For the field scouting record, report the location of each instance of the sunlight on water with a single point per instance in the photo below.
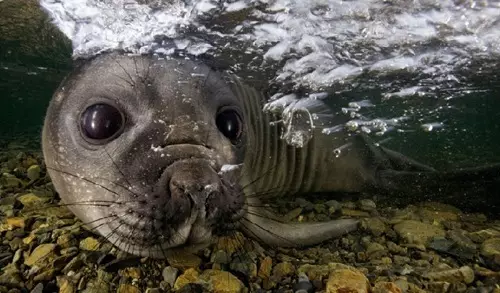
(411, 49)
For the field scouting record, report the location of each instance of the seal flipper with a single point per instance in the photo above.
(268, 229)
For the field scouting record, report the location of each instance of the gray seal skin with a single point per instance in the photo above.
(138, 147)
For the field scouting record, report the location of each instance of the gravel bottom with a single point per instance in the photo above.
(430, 247)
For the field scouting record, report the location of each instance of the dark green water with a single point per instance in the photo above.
(470, 136)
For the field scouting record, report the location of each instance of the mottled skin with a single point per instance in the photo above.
(158, 185)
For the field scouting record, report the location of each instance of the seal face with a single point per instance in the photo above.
(135, 147)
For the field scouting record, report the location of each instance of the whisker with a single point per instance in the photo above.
(95, 183)
(119, 170)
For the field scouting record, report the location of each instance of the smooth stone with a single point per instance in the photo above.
(37, 289)
(491, 249)
(283, 269)
(65, 285)
(183, 260)
(265, 268)
(375, 225)
(170, 275)
(189, 276)
(346, 280)
(464, 274)
(222, 282)
(41, 254)
(90, 244)
(416, 232)
(367, 205)
(127, 288)
(33, 172)
(292, 214)
(386, 287)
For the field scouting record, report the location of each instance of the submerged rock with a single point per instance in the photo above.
(417, 232)
(346, 280)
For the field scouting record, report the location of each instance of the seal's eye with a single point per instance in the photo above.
(229, 123)
(101, 122)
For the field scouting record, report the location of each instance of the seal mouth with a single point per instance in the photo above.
(189, 202)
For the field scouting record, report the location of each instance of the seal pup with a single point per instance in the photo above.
(155, 153)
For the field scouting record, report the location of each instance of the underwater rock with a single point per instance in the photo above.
(222, 282)
(265, 268)
(292, 214)
(375, 225)
(33, 172)
(169, 275)
(491, 249)
(127, 288)
(189, 276)
(65, 285)
(346, 280)
(282, 270)
(41, 255)
(182, 259)
(90, 244)
(367, 205)
(386, 287)
(464, 274)
(417, 232)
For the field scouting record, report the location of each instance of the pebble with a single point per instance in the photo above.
(346, 280)
(283, 269)
(482, 235)
(220, 257)
(367, 205)
(491, 249)
(90, 244)
(170, 275)
(30, 200)
(33, 172)
(354, 213)
(38, 288)
(417, 232)
(127, 288)
(303, 285)
(464, 274)
(189, 276)
(130, 272)
(265, 268)
(65, 285)
(375, 225)
(41, 254)
(292, 214)
(222, 282)
(182, 259)
(386, 287)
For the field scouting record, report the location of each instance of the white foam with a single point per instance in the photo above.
(320, 44)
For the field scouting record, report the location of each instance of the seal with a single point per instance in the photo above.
(155, 153)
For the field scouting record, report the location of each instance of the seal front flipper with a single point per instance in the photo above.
(268, 229)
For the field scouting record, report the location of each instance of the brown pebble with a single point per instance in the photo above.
(127, 288)
(182, 259)
(64, 284)
(345, 280)
(386, 287)
(265, 268)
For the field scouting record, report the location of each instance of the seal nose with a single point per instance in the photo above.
(193, 178)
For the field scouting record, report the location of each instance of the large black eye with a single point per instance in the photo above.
(229, 123)
(101, 122)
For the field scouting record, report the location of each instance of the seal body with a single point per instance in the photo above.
(155, 153)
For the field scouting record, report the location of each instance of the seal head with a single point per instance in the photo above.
(135, 147)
